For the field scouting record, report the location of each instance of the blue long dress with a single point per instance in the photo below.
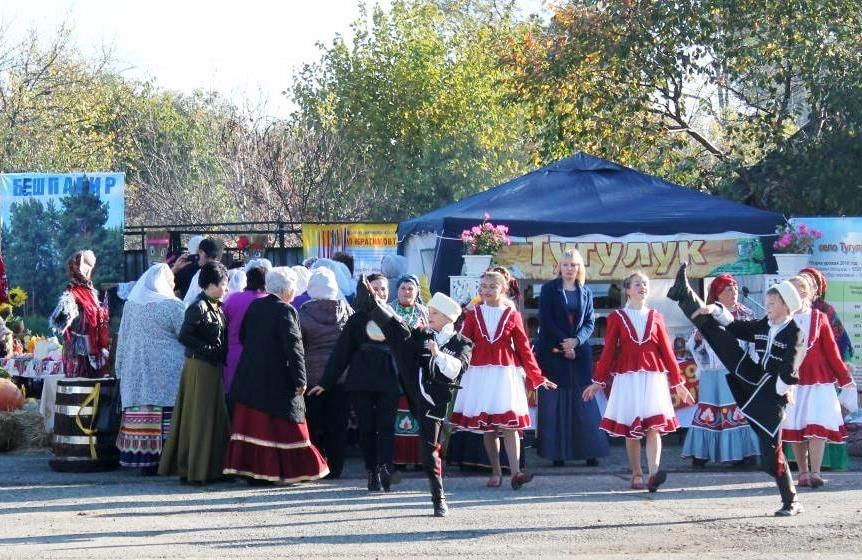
(568, 427)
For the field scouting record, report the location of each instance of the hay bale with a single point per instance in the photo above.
(31, 429)
(8, 431)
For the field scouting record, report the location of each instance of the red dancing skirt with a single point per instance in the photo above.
(266, 447)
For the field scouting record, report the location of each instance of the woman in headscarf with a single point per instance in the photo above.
(235, 281)
(409, 307)
(322, 319)
(148, 365)
(235, 306)
(197, 441)
(346, 286)
(269, 442)
(719, 431)
(81, 322)
(302, 277)
(845, 346)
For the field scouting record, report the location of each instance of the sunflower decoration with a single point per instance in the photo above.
(5, 310)
(17, 296)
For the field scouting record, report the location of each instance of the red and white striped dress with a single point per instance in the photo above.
(638, 355)
(816, 412)
(493, 393)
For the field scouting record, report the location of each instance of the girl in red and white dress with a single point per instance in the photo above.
(493, 397)
(814, 416)
(639, 356)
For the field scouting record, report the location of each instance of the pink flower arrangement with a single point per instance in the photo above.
(796, 238)
(485, 238)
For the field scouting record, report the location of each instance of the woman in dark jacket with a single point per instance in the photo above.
(269, 442)
(373, 383)
(200, 427)
(322, 320)
(568, 427)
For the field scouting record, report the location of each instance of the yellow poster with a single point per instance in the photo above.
(366, 243)
(536, 257)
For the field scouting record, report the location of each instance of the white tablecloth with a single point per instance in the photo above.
(49, 397)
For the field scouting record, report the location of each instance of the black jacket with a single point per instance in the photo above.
(372, 367)
(416, 370)
(203, 332)
(272, 365)
(753, 387)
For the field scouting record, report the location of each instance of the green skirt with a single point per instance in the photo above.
(200, 428)
(835, 457)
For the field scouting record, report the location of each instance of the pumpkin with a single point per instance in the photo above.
(11, 397)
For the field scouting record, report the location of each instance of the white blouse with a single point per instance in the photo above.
(638, 317)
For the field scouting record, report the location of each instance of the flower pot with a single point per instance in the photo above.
(475, 265)
(789, 264)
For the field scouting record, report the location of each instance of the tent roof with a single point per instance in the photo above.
(583, 195)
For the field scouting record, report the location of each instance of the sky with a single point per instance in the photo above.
(244, 49)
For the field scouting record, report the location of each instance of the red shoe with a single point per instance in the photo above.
(520, 479)
(816, 480)
(656, 480)
(637, 482)
(495, 481)
(804, 480)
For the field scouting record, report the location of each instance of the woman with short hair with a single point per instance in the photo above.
(269, 442)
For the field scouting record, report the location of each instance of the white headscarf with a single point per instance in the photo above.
(322, 284)
(302, 276)
(342, 275)
(154, 286)
(258, 263)
(235, 280)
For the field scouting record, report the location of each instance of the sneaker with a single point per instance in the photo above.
(789, 510)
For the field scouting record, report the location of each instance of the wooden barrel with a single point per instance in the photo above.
(78, 445)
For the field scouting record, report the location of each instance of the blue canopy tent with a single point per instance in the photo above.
(585, 195)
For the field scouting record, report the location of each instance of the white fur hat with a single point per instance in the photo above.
(789, 295)
(445, 305)
(322, 284)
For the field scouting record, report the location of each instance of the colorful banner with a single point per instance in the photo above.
(615, 258)
(47, 217)
(366, 243)
(838, 255)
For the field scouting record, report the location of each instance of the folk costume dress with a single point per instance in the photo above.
(269, 438)
(638, 357)
(719, 431)
(492, 392)
(816, 412)
(148, 364)
(405, 450)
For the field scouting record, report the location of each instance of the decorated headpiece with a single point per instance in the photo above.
(718, 285)
(818, 277)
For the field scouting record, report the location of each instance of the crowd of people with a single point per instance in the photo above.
(254, 372)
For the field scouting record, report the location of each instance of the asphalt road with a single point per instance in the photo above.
(564, 512)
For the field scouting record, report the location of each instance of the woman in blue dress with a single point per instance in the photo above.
(568, 427)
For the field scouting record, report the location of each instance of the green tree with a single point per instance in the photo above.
(30, 249)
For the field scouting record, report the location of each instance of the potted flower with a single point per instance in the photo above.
(481, 243)
(793, 247)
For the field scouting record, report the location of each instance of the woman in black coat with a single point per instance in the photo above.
(269, 440)
(372, 381)
(568, 427)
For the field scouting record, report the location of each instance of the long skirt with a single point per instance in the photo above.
(197, 441)
(568, 427)
(719, 431)
(143, 432)
(405, 449)
(639, 402)
(266, 447)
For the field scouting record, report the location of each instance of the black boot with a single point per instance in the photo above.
(438, 497)
(686, 298)
(384, 472)
(374, 481)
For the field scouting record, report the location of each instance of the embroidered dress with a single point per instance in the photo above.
(816, 412)
(639, 359)
(719, 431)
(143, 432)
(492, 393)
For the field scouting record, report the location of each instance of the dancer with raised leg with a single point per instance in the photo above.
(761, 388)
